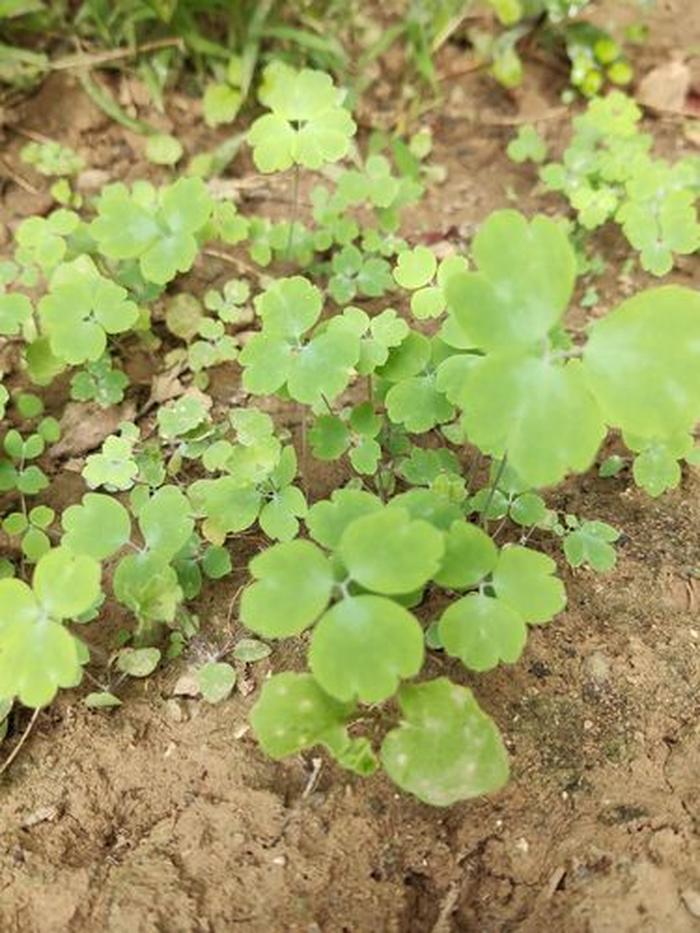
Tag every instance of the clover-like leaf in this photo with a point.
(165, 521)
(15, 311)
(363, 646)
(181, 416)
(417, 403)
(66, 584)
(540, 413)
(216, 680)
(415, 268)
(481, 631)
(656, 468)
(390, 553)
(289, 307)
(642, 362)
(527, 145)
(293, 713)
(293, 585)
(307, 126)
(328, 519)
(227, 507)
(148, 586)
(158, 228)
(525, 279)
(591, 543)
(98, 527)
(279, 517)
(81, 309)
(524, 580)
(114, 467)
(446, 748)
(37, 655)
(163, 149)
(469, 556)
(138, 662)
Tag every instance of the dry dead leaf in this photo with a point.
(167, 385)
(665, 87)
(186, 685)
(85, 425)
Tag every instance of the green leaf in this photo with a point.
(363, 646)
(148, 586)
(220, 104)
(278, 518)
(642, 362)
(165, 521)
(101, 700)
(181, 416)
(216, 563)
(415, 268)
(482, 631)
(293, 713)
(591, 544)
(227, 506)
(469, 556)
(250, 650)
(15, 311)
(295, 567)
(289, 307)
(527, 145)
(417, 404)
(216, 680)
(138, 662)
(307, 125)
(656, 469)
(446, 749)
(390, 553)
(524, 283)
(329, 437)
(114, 467)
(328, 519)
(66, 584)
(37, 655)
(528, 509)
(98, 528)
(163, 149)
(611, 466)
(524, 580)
(541, 414)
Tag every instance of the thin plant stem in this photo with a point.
(492, 490)
(295, 208)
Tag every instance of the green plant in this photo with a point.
(418, 550)
(540, 406)
(608, 173)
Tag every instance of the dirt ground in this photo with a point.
(164, 817)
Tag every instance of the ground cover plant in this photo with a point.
(451, 389)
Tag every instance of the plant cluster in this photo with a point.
(608, 172)
(415, 553)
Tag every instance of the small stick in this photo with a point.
(317, 765)
(17, 178)
(89, 60)
(234, 260)
(18, 747)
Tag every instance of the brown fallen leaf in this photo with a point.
(167, 385)
(665, 88)
(85, 425)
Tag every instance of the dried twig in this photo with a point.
(17, 178)
(93, 59)
(18, 747)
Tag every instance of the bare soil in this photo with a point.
(164, 817)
